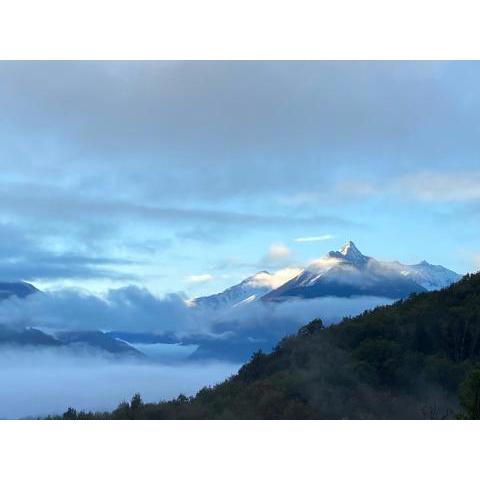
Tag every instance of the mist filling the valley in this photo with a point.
(40, 381)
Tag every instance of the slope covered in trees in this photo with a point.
(417, 358)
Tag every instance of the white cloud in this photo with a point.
(323, 263)
(356, 188)
(279, 319)
(202, 278)
(275, 280)
(277, 252)
(129, 308)
(442, 187)
(425, 185)
(319, 238)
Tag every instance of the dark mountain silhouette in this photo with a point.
(25, 336)
(98, 340)
(33, 337)
(17, 289)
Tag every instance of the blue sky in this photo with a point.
(189, 176)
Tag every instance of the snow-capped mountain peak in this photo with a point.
(350, 250)
(348, 253)
(247, 291)
(430, 277)
(347, 272)
(341, 273)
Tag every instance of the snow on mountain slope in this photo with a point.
(347, 272)
(341, 273)
(247, 291)
(430, 277)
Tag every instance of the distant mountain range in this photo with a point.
(96, 340)
(347, 272)
(343, 273)
(34, 337)
(17, 289)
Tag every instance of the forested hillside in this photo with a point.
(417, 358)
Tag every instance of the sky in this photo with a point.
(186, 177)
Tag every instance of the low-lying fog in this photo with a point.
(39, 381)
(42, 381)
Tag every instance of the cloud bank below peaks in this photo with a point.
(135, 309)
(130, 308)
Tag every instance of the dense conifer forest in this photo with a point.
(415, 359)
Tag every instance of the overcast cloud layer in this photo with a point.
(155, 173)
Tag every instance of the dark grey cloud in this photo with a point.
(23, 257)
(233, 128)
(61, 206)
(91, 226)
(49, 266)
(121, 156)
